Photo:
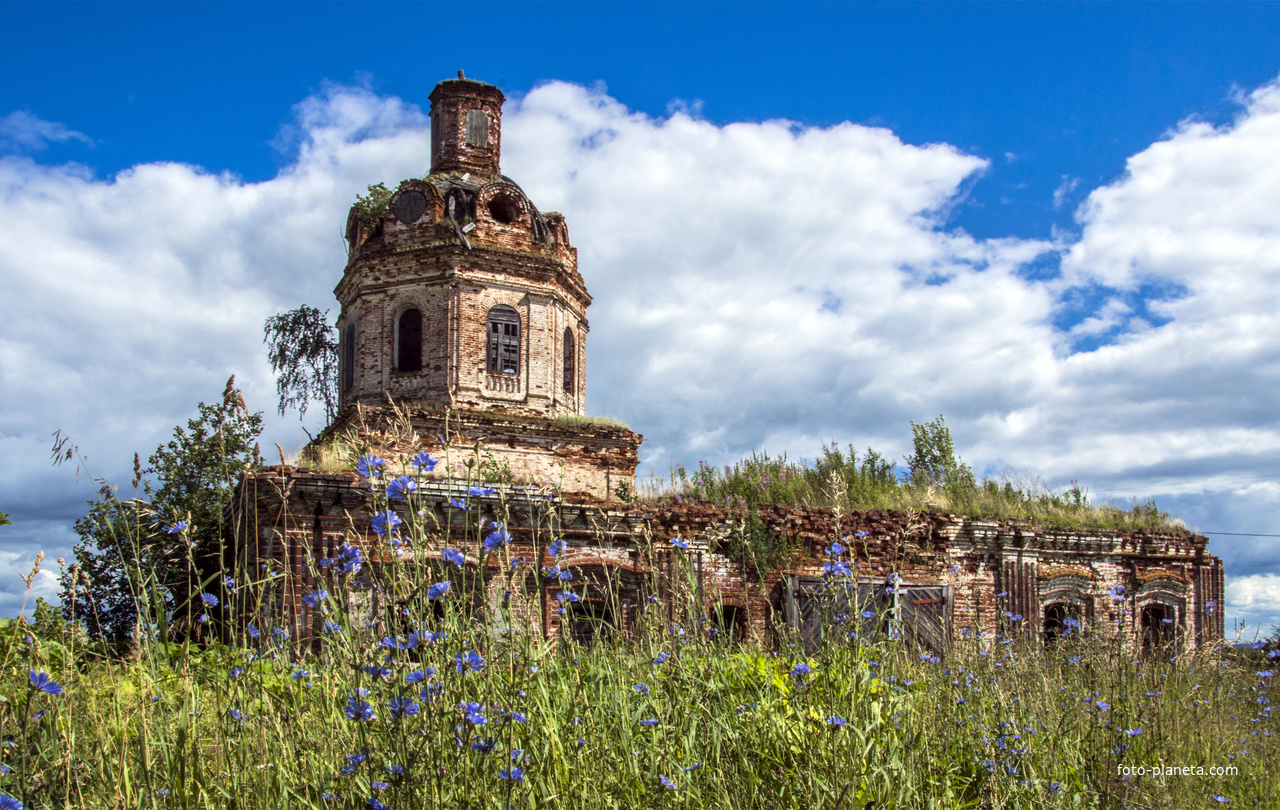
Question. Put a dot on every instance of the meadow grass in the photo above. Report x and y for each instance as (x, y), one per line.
(443, 698)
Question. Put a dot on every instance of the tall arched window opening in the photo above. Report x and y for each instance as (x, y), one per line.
(409, 341)
(349, 357)
(503, 352)
(569, 361)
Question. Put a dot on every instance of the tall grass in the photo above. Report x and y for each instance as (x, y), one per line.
(413, 695)
(846, 480)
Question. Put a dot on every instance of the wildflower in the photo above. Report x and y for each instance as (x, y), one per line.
(1117, 593)
(565, 575)
(230, 583)
(332, 628)
(437, 590)
(1055, 788)
(680, 544)
(236, 672)
(800, 670)
(1220, 799)
(1266, 673)
(1133, 732)
(177, 527)
(385, 522)
(41, 682)
(419, 675)
(661, 659)
(403, 706)
(519, 717)
(514, 774)
(456, 557)
(347, 562)
(300, 674)
(374, 804)
(836, 549)
(236, 714)
(280, 633)
(424, 461)
(470, 661)
(209, 599)
(568, 596)
(369, 466)
(498, 538)
(836, 721)
(650, 722)
(402, 487)
(582, 741)
(353, 761)
(695, 766)
(377, 672)
(1102, 707)
(314, 598)
(557, 548)
(458, 503)
(482, 491)
(252, 630)
(641, 688)
(666, 783)
(359, 710)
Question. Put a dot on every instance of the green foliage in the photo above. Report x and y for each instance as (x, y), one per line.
(303, 349)
(131, 563)
(4, 520)
(370, 206)
(938, 481)
(934, 461)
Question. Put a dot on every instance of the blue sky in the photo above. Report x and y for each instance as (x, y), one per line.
(1051, 222)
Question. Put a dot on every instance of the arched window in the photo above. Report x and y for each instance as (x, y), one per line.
(409, 341)
(1060, 620)
(349, 357)
(569, 361)
(503, 351)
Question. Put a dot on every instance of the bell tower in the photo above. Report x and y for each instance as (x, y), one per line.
(460, 295)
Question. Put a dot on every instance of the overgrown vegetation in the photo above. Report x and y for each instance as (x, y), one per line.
(934, 479)
(370, 206)
(444, 701)
(302, 347)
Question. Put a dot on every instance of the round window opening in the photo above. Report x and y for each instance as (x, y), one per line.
(504, 209)
(410, 206)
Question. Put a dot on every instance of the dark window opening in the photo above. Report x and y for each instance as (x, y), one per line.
(409, 341)
(1060, 620)
(588, 623)
(730, 623)
(478, 128)
(569, 361)
(504, 209)
(503, 351)
(349, 358)
(1159, 626)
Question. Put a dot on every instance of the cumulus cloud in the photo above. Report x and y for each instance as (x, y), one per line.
(20, 131)
(757, 286)
(1255, 602)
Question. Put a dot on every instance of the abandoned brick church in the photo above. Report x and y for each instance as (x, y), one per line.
(463, 332)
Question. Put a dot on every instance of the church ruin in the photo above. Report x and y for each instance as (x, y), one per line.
(463, 333)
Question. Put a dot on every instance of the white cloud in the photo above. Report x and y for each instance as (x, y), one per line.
(1255, 600)
(757, 286)
(22, 131)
